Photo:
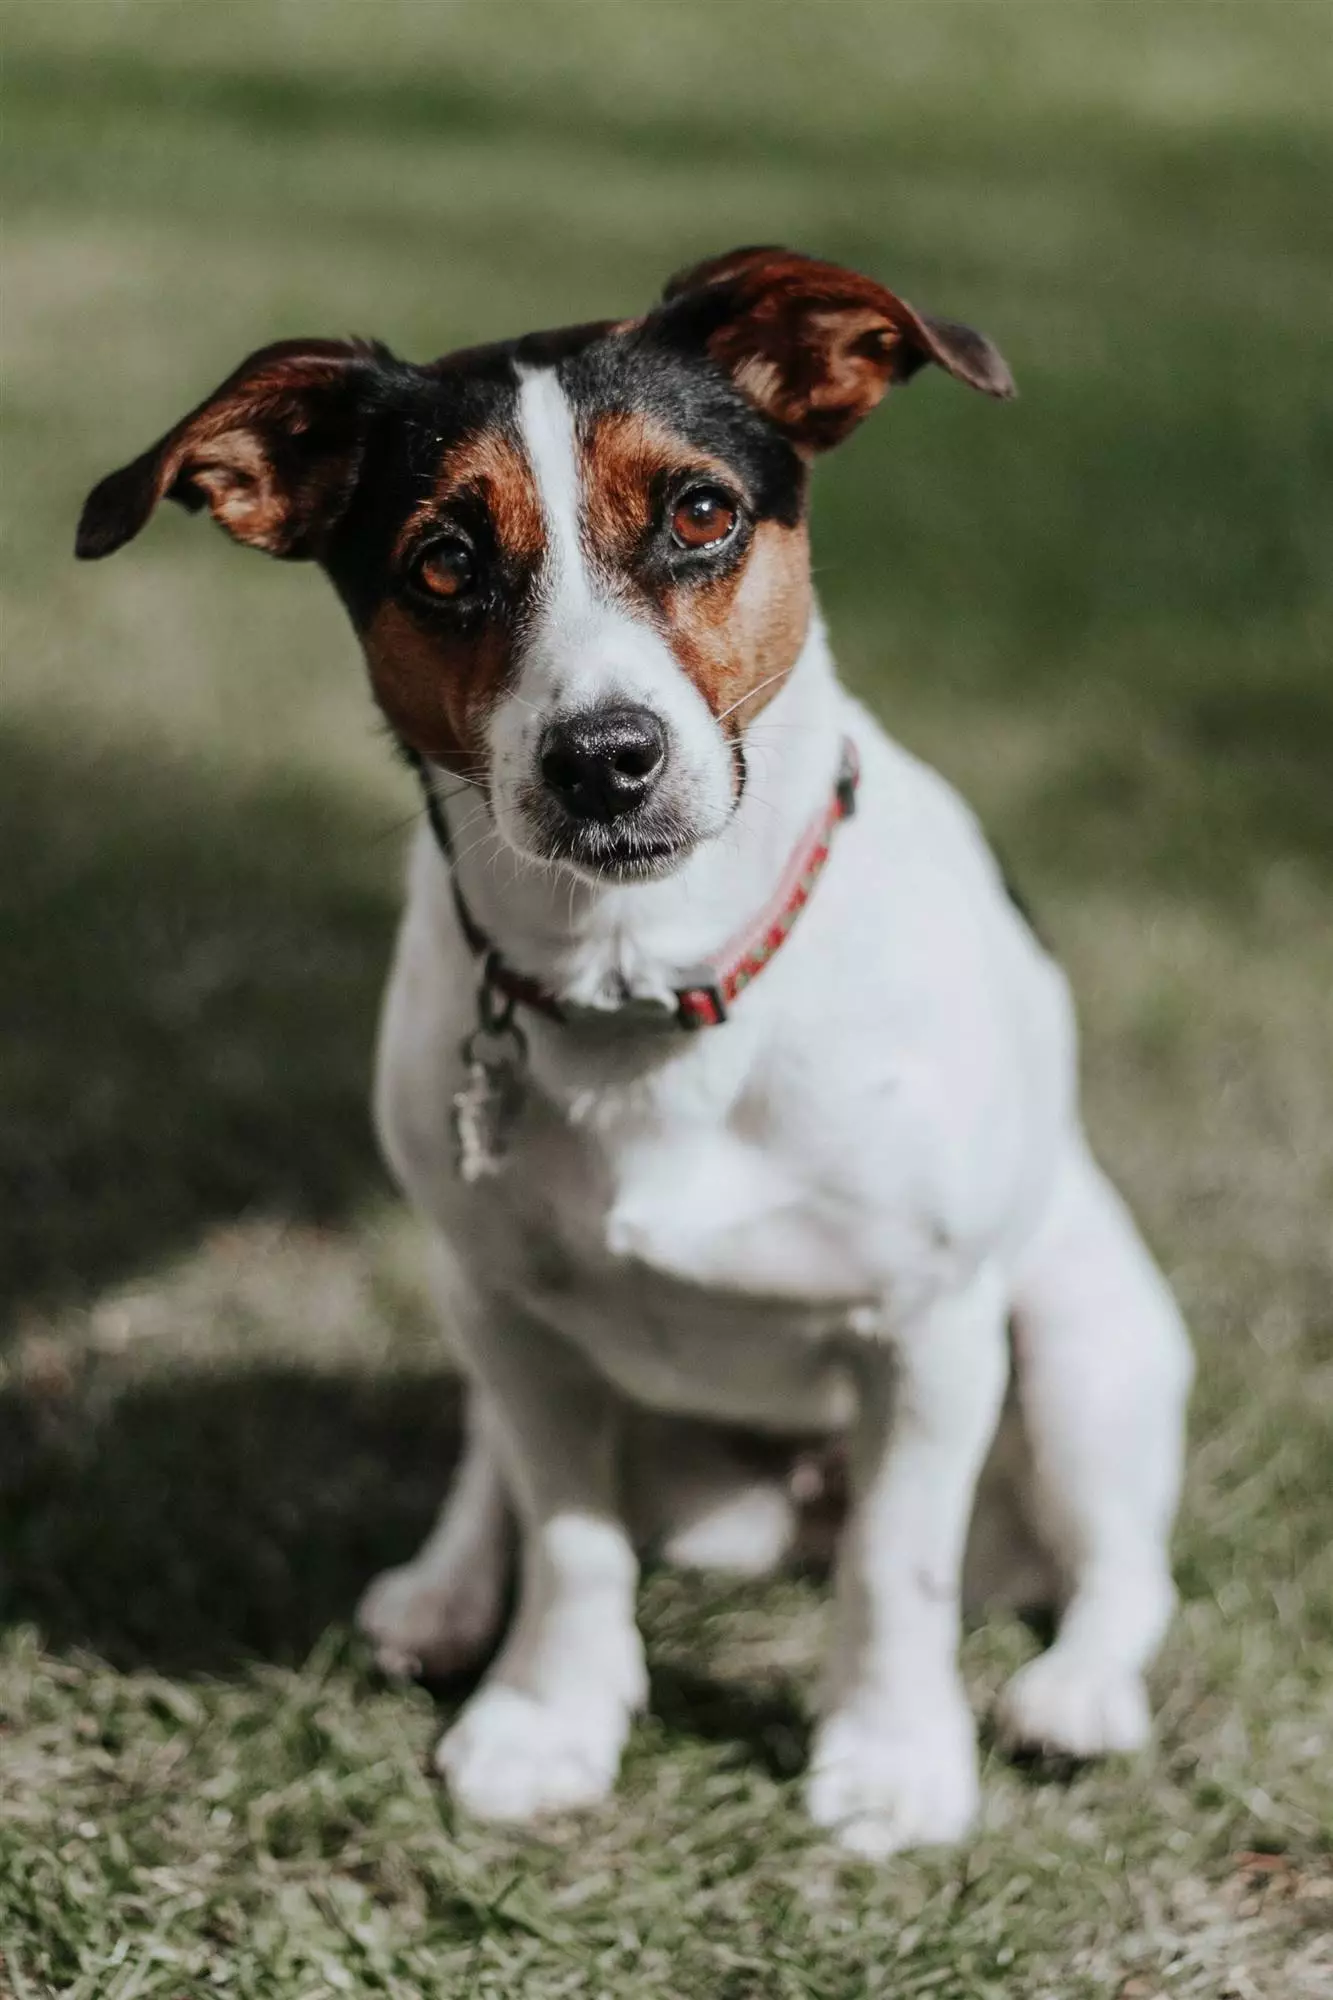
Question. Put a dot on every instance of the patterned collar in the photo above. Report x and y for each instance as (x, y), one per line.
(706, 992)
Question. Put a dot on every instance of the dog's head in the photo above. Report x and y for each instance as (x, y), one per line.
(577, 562)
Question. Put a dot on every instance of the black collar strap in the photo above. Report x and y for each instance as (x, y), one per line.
(706, 992)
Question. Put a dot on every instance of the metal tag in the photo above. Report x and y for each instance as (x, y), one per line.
(484, 1111)
(495, 1061)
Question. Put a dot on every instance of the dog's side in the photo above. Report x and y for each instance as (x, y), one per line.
(579, 570)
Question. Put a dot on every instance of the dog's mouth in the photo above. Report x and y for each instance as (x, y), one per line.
(638, 846)
(619, 853)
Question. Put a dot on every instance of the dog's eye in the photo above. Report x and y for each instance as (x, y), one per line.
(447, 569)
(703, 518)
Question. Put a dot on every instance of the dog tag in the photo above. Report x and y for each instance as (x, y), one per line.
(495, 1061)
(486, 1106)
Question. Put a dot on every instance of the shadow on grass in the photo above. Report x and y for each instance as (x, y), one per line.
(186, 1012)
(197, 1523)
(766, 1726)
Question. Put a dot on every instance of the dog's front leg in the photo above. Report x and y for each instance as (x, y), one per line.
(546, 1729)
(440, 1613)
(894, 1761)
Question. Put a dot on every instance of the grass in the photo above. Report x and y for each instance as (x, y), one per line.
(1106, 613)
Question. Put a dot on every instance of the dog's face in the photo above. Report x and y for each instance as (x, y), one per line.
(577, 562)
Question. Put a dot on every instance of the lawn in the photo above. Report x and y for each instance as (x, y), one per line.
(1105, 612)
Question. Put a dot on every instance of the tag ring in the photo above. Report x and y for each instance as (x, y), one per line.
(495, 1006)
(502, 1048)
(496, 1026)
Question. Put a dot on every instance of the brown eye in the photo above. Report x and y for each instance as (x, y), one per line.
(446, 569)
(703, 518)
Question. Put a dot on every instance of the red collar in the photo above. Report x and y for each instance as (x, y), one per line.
(705, 995)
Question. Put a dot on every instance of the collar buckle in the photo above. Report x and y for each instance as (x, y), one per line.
(700, 1001)
(847, 780)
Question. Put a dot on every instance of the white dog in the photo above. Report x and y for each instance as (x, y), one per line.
(728, 1102)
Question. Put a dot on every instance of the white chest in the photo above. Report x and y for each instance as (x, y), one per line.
(710, 1256)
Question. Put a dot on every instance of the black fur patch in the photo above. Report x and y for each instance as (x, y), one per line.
(420, 412)
(639, 370)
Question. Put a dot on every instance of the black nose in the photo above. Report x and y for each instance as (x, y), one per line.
(604, 762)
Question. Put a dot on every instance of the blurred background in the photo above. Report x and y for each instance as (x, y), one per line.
(1104, 612)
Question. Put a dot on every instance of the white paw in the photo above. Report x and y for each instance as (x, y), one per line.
(746, 1533)
(420, 1622)
(885, 1782)
(511, 1756)
(1074, 1707)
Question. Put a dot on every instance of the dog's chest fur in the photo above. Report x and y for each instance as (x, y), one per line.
(689, 1246)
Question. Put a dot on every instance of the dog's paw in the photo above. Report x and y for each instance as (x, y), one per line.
(512, 1756)
(1072, 1706)
(882, 1783)
(422, 1623)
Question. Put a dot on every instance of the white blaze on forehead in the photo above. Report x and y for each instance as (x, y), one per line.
(586, 646)
(546, 422)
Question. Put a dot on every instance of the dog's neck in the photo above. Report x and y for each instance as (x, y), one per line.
(596, 944)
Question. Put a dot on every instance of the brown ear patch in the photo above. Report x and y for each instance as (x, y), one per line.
(813, 346)
(273, 454)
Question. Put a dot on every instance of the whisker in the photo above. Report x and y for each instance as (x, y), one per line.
(750, 693)
(471, 819)
(475, 845)
(397, 826)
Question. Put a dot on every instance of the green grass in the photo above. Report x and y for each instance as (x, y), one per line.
(1105, 612)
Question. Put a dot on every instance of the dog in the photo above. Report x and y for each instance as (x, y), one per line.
(739, 1096)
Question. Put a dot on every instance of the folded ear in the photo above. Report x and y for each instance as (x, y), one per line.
(273, 454)
(814, 346)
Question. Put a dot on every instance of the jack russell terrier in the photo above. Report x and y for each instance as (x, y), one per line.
(736, 1090)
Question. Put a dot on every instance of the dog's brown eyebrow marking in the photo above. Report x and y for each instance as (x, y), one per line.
(490, 465)
(624, 457)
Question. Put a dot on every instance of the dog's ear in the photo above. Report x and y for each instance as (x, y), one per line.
(273, 453)
(814, 346)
